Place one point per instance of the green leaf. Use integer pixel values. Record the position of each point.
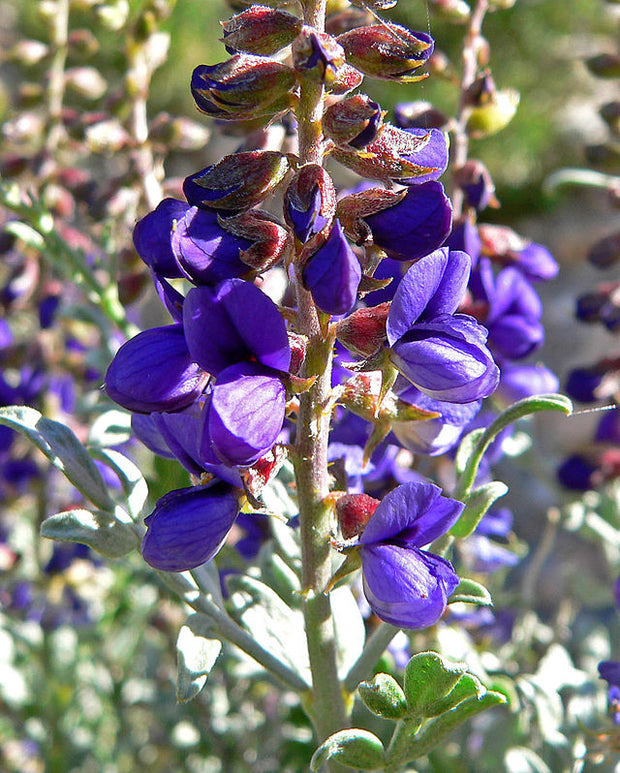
(438, 729)
(101, 531)
(111, 428)
(384, 697)
(465, 450)
(276, 627)
(471, 592)
(525, 407)
(197, 651)
(356, 748)
(63, 450)
(468, 686)
(428, 678)
(132, 481)
(477, 506)
(276, 573)
(26, 233)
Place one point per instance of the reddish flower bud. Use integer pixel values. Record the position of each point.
(298, 345)
(456, 11)
(363, 331)
(310, 205)
(317, 53)
(387, 52)
(353, 512)
(353, 209)
(347, 19)
(271, 242)
(238, 181)
(418, 115)
(353, 121)
(260, 30)
(392, 155)
(476, 183)
(243, 87)
(346, 79)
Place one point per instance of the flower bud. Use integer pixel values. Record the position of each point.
(353, 121)
(346, 79)
(418, 115)
(317, 53)
(310, 204)
(347, 18)
(604, 65)
(387, 52)
(243, 87)
(260, 30)
(403, 155)
(86, 81)
(475, 181)
(606, 252)
(491, 109)
(238, 181)
(353, 512)
(28, 52)
(353, 210)
(271, 242)
(333, 273)
(363, 331)
(457, 11)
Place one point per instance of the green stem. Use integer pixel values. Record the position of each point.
(56, 77)
(401, 739)
(315, 518)
(373, 650)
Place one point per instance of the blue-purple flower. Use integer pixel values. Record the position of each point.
(189, 526)
(441, 353)
(609, 670)
(405, 585)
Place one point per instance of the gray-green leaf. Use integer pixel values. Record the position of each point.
(99, 530)
(356, 748)
(197, 651)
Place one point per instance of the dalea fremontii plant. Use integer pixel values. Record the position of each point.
(337, 373)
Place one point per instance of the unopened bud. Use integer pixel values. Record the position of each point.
(106, 136)
(28, 52)
(317, 53)
(82, 43)
(243, 87)
(238, 181)
(606, 252)
(456, 11)
(178, 133)
(345, 19)
(310, 204)
(364, 331)
(353, 121)
(418, 115)
(86, 81)
(354, 209)
(260, 30)
(610, 113)
(495, 115)
(346, 79)
(271, 242)
(353, 512)
(298, 345)
(113, 14)
(475, 181)
(389, 52)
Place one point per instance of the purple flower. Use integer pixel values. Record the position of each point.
(189, 526)
(442, 354)
(404, 585)
(333, 273)
(152, 237)
(415, 226)
(245, 415)
(609, 670)
(154, 371)
(519, 381)
(207, 253)
(234, 322)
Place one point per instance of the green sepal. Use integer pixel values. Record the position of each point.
(476, 507)
(354, 747)
(428, 678)
(471, 592)
(197, 650)
(100, 530)
(63, 450)
(384, 697)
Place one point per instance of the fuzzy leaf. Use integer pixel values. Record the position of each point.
(471, 592)
(101, 531)
(384, 696)
(134, 486)
(356, 748)
(197, 651)
(111, 428)
(428, 678)
(63, 450)
(476, 507)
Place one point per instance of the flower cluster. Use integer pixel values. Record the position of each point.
(411, 296)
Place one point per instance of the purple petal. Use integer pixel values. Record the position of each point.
(415, 513)
(152, 237)
(205, 251)
(246, 413)
(447, 360)
(434, 285)
(434, 154)
(232, 323)
(155, 372)
(609, 670)
(405, 586)
(415, 226)
(333, 274)
(189, 526)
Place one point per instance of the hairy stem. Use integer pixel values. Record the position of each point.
(328, 709)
